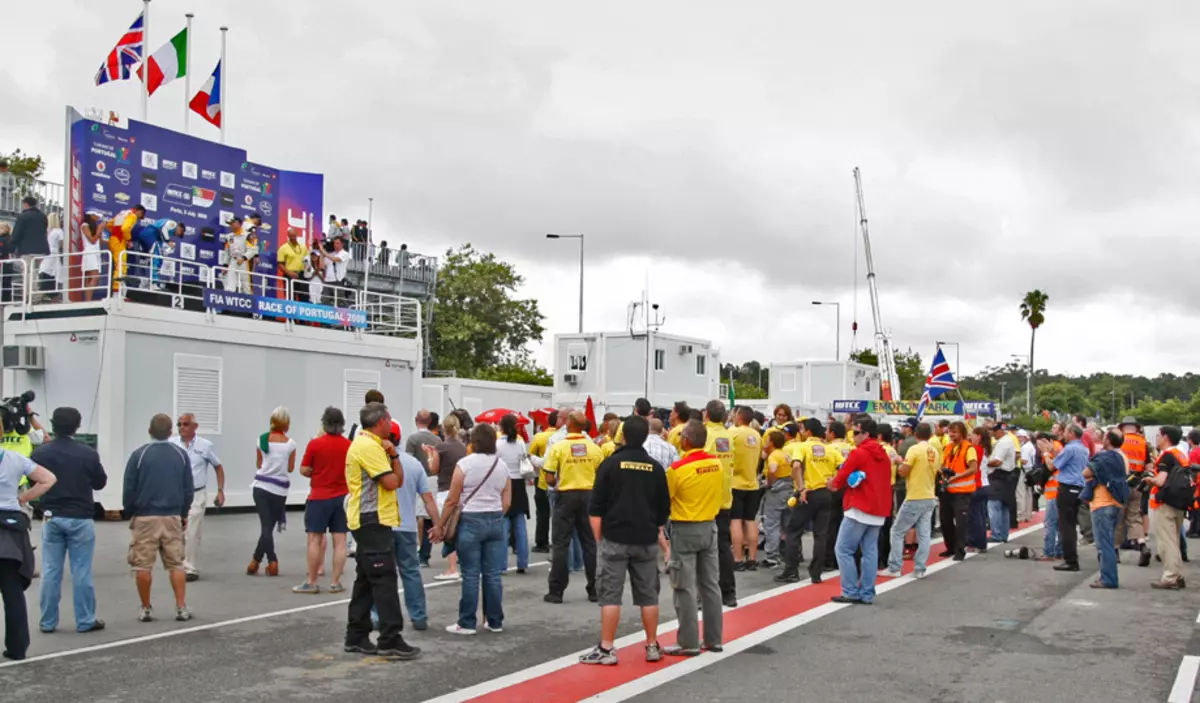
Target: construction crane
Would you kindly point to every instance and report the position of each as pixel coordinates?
(890, 389)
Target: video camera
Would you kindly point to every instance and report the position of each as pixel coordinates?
(15, 413)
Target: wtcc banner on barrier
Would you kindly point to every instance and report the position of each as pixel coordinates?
(228, 301)
(909, 407)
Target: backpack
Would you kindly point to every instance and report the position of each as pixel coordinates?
(1178, 491)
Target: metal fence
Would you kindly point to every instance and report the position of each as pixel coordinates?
(392, 263)
(13, 189)
(60, 278)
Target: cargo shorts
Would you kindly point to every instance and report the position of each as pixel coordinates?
(614, 560)
(153, 535)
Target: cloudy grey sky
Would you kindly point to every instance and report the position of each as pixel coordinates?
(710, 145)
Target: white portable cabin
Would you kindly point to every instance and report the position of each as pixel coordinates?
(443, 395)
(119, 362)
(816, 384)
(617, 368)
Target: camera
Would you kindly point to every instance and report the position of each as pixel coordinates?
(15, 413)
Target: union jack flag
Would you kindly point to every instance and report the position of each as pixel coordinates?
(939, 380)
(118, 65)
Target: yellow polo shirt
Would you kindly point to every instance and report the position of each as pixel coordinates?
(369, 503)
(673, 437)
(821, 462)
(747, 450)
(697, 487)
(292, 257)
(782, 462)
(537, 447)
(575, 459)
(720, 445)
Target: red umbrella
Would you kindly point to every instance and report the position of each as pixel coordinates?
(590, 411)
(492, 417)
(541, 416)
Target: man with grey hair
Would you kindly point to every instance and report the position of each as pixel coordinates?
(415, 445)
(657, 446)
(200, 453)
(1069, 463)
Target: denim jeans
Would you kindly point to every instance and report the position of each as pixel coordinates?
(575, 554)
(481, 552)
(854, 535)
(74, 538)
(516, 527)
(1050, 542)
(1104, 527)
(977, 519)
(409, 566)
(918, 514)
(998, 517)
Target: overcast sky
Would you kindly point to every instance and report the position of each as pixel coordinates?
(709, 145)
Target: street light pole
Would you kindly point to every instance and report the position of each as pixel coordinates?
(1028, 382)
(580, 238)
(837, 332)
(1002, 385)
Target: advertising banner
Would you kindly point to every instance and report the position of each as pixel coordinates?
(909, 407)
(229, 301)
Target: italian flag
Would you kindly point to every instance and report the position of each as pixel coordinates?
(166, 64)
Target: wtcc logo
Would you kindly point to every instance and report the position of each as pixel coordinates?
(169, 165)
(208, 175)
(180, 195)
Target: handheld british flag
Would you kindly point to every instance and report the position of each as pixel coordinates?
(118, 65)
(939, 380)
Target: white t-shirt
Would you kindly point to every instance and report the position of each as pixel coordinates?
(1028, 454)
(49, 265)
(489, 497)
(335, 270)
(1006, 452)
(273, 476)
(510, 454)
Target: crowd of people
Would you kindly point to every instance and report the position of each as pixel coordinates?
(699, 496)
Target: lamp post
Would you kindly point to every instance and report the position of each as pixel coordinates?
(1002, 385)
(580, 238)
(1028, 383)
(837, 332)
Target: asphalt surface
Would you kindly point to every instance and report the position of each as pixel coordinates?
(989, 629)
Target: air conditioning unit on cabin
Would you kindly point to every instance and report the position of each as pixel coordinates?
(571, 378)
(686, 349)
(23, 357)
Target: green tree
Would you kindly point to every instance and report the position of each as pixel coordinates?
(1064, 398)
(909, 368)
(1033, 311)
(478, 322)
(24, 165)
(747, 391)
(517, 373)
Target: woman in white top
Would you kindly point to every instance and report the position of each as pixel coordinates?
(480, 483)
(275, 459)
(51, 272)
(90, 262)
(511, 450)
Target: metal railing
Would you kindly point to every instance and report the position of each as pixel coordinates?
(180, 284)
(14, 188)
(392, 263)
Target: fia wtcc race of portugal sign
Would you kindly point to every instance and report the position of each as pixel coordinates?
(228, 301)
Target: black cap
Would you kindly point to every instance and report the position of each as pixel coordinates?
(911, 422)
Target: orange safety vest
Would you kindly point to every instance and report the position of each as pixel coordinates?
(1134, 449)
(1051, 489)
(956, 461)
(1183, 461)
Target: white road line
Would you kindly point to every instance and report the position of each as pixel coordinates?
(211, 626)
(1198, 619)
(1185, 680)
(687, 666)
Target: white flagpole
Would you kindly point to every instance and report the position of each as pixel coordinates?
(145, 60)
(224, 86)
(187, 76)
(367, 253)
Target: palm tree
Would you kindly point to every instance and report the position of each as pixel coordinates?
(1033, 309)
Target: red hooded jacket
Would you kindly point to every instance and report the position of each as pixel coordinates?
(874, 495)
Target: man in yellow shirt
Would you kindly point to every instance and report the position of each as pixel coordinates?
(835, 436)
(641, 408)
(679, 417)
(290, 258)
(719, 443)
(373, 473)
(747, 452)
(571, 469)
(919, 470)
(816, 463)
(537, 448)
(698, 489)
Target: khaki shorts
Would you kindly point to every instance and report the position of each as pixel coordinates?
(156, 534)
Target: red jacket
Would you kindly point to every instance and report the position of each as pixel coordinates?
(874, 495)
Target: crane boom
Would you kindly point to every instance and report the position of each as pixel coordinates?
(883, 342)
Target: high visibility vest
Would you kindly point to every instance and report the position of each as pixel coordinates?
(1135, 450)
(956, 461)
(1183, 461)
(1051, 490)
(19, 443)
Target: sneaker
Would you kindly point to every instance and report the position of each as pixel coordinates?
(97, 626)
(420, 625)
(145, 615)
(307, 588)
(336, 588)
(363, 647)
(675, 650)
(893, 573)
(729, 601)
(192, 577)
(494, 630)
(769, 563)
(183, 614)
(653, 652)
(919, 574)
(425, 564)
(603, 657)
(715, 648)
(787, 578)
(1144, 557)
(844, 599)
(455, 629)
(401, 650)
(739, 566)
(446, 577)
(752, 566)
(552, 598)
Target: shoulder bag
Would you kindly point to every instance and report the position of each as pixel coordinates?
(450, 529)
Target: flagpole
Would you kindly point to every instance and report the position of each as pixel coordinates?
(187, 76)
(367, 253)
(224, 85)
(145, 60)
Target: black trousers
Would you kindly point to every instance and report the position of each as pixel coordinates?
(955, 509)
(835, 523)
(270, 508)
(817, 510)
(1068, 522)
(725, 555)
(16, 618)
(375, 586)
(541, 505)
(571, 518)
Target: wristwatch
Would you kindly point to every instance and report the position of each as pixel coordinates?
(394, 457)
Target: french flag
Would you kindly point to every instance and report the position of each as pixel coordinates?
(207, 102)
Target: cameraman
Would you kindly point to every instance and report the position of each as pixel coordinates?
(22, 432)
